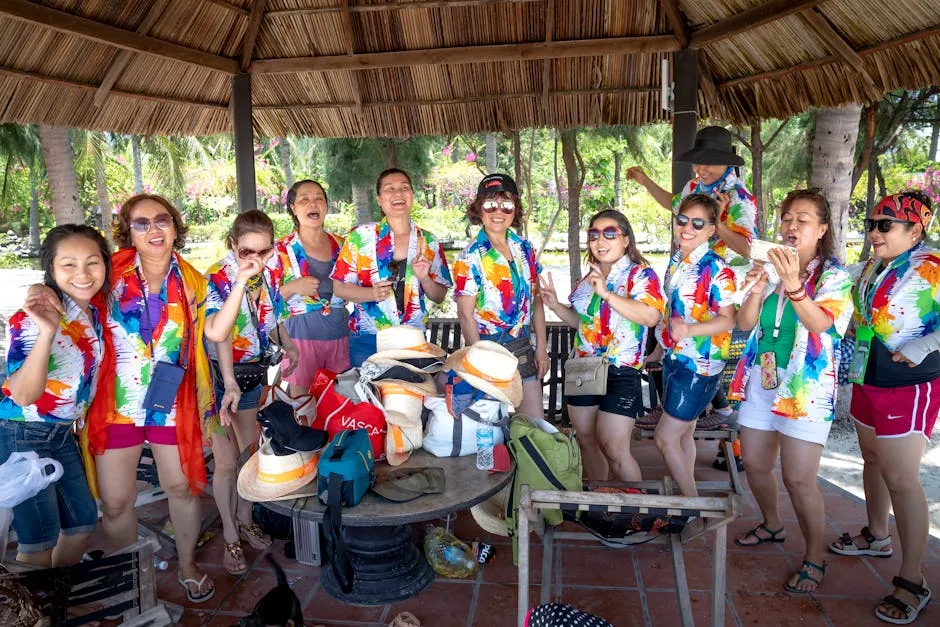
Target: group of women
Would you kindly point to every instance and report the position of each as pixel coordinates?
(138, 346)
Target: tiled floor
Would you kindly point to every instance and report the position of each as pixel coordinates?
(631, 586)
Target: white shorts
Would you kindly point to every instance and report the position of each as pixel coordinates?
(755, 413)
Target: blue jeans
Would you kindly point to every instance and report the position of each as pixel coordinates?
(361, 347)
(685, 393)
(66, 506)
(249, 400)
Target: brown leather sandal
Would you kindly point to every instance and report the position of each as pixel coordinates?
(253, 534)
(233, 559)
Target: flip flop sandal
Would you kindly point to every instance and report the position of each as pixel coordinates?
(910, 612)
(804, 575)
(233, 559)
(199, 597)
(714, 420)
(253, 534)
(753, 533)
(846, 546)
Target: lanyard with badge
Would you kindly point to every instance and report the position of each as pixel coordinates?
(864, 334)
(165, 377)
(768, 359)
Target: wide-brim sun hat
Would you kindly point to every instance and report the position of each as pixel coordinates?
(418, 382)
(491, 513)
(269, 477)
(490, 368)
(713, 146)
(404, 341)
(405, 436)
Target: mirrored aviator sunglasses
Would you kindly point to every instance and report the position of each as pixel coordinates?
(611, 232)
(697, 223)
(884, 225)
(507, 207)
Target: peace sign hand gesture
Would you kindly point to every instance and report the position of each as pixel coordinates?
(547, 291)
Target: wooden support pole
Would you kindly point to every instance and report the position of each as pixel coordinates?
(251, 35)
(244, 142)
(684, 114)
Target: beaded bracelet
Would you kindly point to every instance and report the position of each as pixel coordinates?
(797, 296)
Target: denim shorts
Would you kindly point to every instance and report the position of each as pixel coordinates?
(361, 347)
(624, 393)
(66, 506)
(685, 393)
(249, 400)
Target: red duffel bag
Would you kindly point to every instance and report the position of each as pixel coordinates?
(336, 413)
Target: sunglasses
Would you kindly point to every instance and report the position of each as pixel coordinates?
(697, 223)
(610, 232)
(507, 207)
(248, 252)
(883, 225)
(162, 222)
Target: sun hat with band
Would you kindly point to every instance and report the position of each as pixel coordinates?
(490, 368)
(403, 408)
(712, 147)
(419, 382)
(270, 477)
(407, 346)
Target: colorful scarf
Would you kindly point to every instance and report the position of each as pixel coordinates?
(195, 402)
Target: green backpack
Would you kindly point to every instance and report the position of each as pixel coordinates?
(544, 461)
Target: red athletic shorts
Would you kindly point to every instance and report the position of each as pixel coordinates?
(126, 436)
(896, 412)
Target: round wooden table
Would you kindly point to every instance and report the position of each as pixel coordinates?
(388, 566)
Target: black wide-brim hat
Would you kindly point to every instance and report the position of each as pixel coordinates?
(712, 147)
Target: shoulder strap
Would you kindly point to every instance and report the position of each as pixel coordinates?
(340, 563)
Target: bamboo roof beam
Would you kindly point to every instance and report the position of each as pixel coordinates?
(346, 18)
(470, 54)
(547, 63)
(894, 43)
(113, 36)
(677, 21)
(229, 6)
(70, 84)
(747, 20)
(251, 35)
(393, 6)
(835, 42)
(610, 91)
(124, 56)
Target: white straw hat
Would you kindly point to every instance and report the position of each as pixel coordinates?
(490, 368)
(270, 477)
(403, 408)
(404, 341)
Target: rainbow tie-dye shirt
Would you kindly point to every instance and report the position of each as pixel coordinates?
(807, 390)
(294, 265)
(364, 260)
(135, 362)
(601, 328)
(900, 302)
(503, 288)
(697, 286)
(247, 344)
(73, 364)
(740, 217)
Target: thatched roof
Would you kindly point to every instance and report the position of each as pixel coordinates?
(342, 68)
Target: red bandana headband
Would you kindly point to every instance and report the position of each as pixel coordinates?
(903, 208)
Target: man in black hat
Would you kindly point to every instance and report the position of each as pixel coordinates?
(713, 161)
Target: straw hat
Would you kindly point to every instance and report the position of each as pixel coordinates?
(270, 477)
(491, 513)
(420, 383)
(403, 418)
(404, 341)
(490, 368)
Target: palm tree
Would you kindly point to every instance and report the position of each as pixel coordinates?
(833, 160)
(94, 148)
(60, 169)
(20, 144)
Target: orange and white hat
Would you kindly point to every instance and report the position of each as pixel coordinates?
(404, 341)
(270, 477)
(403, 408)
(490, 368)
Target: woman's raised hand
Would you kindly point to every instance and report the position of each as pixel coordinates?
(43, 312)
(598, 283)
(787, 265)
(421, 267)
(248, 268)
(547, 291)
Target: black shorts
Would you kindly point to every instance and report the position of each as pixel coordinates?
(624, 393)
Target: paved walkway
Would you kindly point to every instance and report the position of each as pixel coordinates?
(631, 586)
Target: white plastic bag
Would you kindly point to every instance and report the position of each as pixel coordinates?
(24, 475)
(446, 437)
